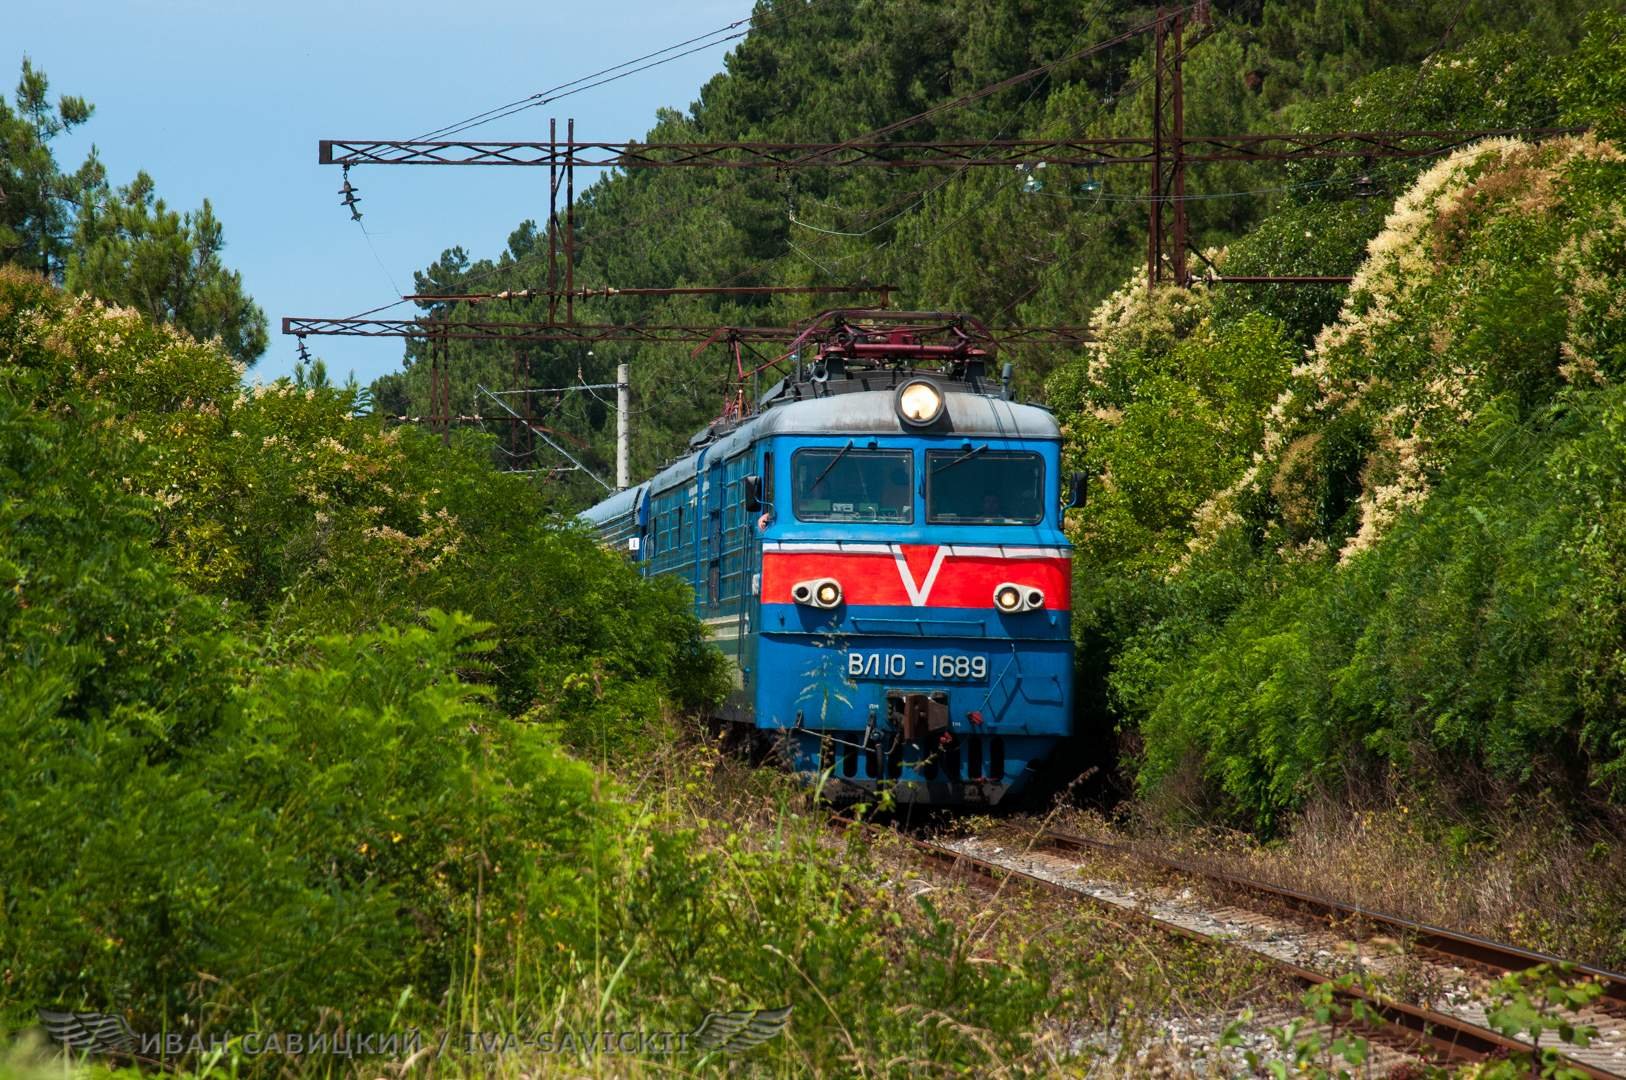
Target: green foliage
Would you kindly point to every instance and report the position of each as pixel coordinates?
(1164, 415)
(1594, 84)
(253, 774)
(35, 195)
(1538, 1000)
(302, 858)
(309, 520)
(131, 249)
(1462, 472)
(1325, 238)
(974, 239)
(1326, 47)
(125, 247)
(1321, 1043)
(256, 779)
(1474, 635)
(1525, 1005)
(786, 925)
(1392, 556)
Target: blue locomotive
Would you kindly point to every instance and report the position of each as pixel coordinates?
(878, 549)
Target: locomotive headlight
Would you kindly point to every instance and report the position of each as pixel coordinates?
(819, 593)
(1011, 598)
(919, 402)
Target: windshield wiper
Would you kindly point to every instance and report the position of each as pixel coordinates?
(814, 486)
(969, 454)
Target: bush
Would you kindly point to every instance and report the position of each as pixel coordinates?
(1477, 636)
(253, 773)
(1383, 555)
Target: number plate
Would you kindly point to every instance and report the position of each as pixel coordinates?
(931, 667)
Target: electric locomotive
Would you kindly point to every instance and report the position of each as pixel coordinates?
(878, 550)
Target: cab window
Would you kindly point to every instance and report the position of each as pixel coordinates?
(984, 487)
(844, 484)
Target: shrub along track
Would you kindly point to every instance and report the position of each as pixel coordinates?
(1305, 936)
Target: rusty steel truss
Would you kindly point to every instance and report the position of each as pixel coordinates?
(439, 332)
(530, 333)
(952, 154)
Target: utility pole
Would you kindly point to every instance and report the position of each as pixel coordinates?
(1166, 231)
(440, 384)
(623, 446)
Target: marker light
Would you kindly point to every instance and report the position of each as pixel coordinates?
(1011, 598)
(819, 593)
(919, 402)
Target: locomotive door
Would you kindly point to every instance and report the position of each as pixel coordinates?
(713, 587)
(750, 589)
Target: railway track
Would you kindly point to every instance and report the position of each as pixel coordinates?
(1305, 942)
(1453, 946)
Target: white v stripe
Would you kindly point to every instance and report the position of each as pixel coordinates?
(918, 594)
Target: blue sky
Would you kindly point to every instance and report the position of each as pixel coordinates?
(226, 99)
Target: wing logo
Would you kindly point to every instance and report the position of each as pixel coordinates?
(740, 1030)
(908, 557)
(89, 1032)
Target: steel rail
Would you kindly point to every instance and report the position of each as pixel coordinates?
(1418, 1028)
(1454, 944)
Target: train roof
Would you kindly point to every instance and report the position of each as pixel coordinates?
(851, 412)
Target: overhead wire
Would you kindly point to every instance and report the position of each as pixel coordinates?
(985, 91)
(566, 89)
(1082, 125)
(922, 196)
(492, 114)
(1040, 73)
(542, 97)
(545, 100)
(930, 189)
(976, 95)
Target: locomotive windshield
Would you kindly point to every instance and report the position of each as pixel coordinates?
(984, 487)
(854, 485)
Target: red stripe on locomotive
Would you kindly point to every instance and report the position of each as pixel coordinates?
(878, 578)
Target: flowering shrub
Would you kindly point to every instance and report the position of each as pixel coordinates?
(252, 771)
(1432, 439)
(1402, 548)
